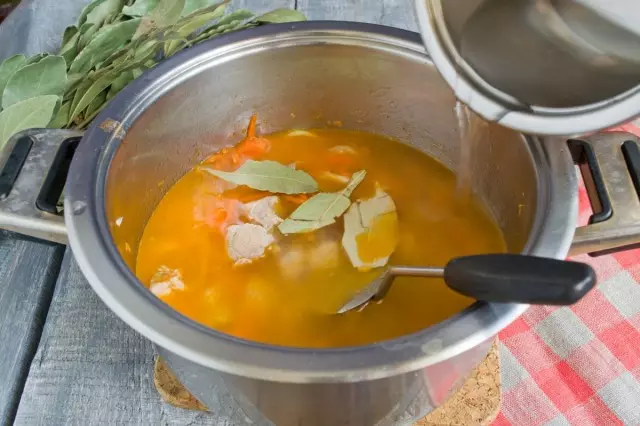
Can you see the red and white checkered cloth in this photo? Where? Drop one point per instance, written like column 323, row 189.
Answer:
column 578, row 365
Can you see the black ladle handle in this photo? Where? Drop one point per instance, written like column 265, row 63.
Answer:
column 514, row 278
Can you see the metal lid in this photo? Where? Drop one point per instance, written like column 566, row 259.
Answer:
column 551, row 67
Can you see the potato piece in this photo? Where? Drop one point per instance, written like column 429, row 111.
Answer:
column 263, row 213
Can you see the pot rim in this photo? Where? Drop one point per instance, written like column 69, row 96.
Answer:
column 117, row 286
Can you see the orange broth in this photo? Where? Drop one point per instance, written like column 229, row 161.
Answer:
column 288, row 296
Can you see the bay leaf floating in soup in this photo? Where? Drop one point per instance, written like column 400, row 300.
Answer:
column 269, row 237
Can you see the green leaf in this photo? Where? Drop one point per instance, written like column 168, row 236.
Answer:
column 73, row 80
column 281, row 15
column 106, row 41
column 36, row 58
column 8, row 68
column 31, row 113
column 88, row 91
column 86, row 10
column 119, row 83
column 232, row 18
column 322, row 209
column 69, row 33
column 188, row 25
column 70, row 41
column 137, row 72
column 104, row 11
column 47, row 77
column 96, row 82
column 62, row 116
column 224, row 26
column 86, row 33
column 192, row 6
column 166, row 13
column 268, row 176
column 140, row 8
column 96, row 103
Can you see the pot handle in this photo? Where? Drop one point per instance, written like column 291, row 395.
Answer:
column 610, row 168
column 33, row 170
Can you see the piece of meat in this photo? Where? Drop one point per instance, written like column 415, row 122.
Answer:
column 166, row 280
column 247, row 242
column 263, row 213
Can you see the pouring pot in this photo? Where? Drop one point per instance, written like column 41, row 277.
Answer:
column 368, row 77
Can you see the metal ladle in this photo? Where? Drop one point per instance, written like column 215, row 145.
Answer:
column 507, row 278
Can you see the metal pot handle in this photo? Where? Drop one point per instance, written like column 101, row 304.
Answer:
column 33, row 170
column 610, row 167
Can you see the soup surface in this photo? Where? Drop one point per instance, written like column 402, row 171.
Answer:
column 197, row 252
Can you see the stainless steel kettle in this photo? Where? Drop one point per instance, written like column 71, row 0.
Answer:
column 557, row 67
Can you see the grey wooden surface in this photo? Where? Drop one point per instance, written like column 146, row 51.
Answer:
column 28, row 273
column 92, row 369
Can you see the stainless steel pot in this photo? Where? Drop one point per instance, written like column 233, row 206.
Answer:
column 303, row 75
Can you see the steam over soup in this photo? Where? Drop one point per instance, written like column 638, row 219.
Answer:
column 267, row 239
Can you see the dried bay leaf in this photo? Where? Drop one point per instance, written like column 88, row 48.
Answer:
column 281, row 15
column 371, row 231
column 192, row 6
column 322, row 209
column 238, row 24
column 30, row 113
column 96, row 83
column 106, row 41
column 47, row 77
column 102, row 12
column 191, row 23
column 166, row 12
column 67, row 36
column 69, row 48
column 119, row 83
column 87, row 92
column 268, row 176
column 140, row 8
column 85, row 34
column 61, row 117
column 87, row 9
column 35, row 58
column 8, row 67
column 95, row 104
column 233, row 17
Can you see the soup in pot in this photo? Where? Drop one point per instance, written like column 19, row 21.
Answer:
column 267, row 239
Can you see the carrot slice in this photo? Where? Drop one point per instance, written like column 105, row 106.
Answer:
column 250, row 147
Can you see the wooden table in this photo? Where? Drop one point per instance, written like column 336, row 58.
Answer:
column 65, row 359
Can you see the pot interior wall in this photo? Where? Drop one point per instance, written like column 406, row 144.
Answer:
column 394, row 92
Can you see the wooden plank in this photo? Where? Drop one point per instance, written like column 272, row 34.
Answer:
column 396, row 13
column 93, row 369
column 28, row 272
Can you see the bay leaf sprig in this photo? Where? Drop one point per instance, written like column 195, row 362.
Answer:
column 322, row 209
column 268, row 176
column 112, row 43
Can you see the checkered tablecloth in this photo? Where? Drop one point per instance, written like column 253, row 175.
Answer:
column 578, row 365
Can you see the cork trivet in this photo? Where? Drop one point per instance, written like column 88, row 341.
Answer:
column 476, row 403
